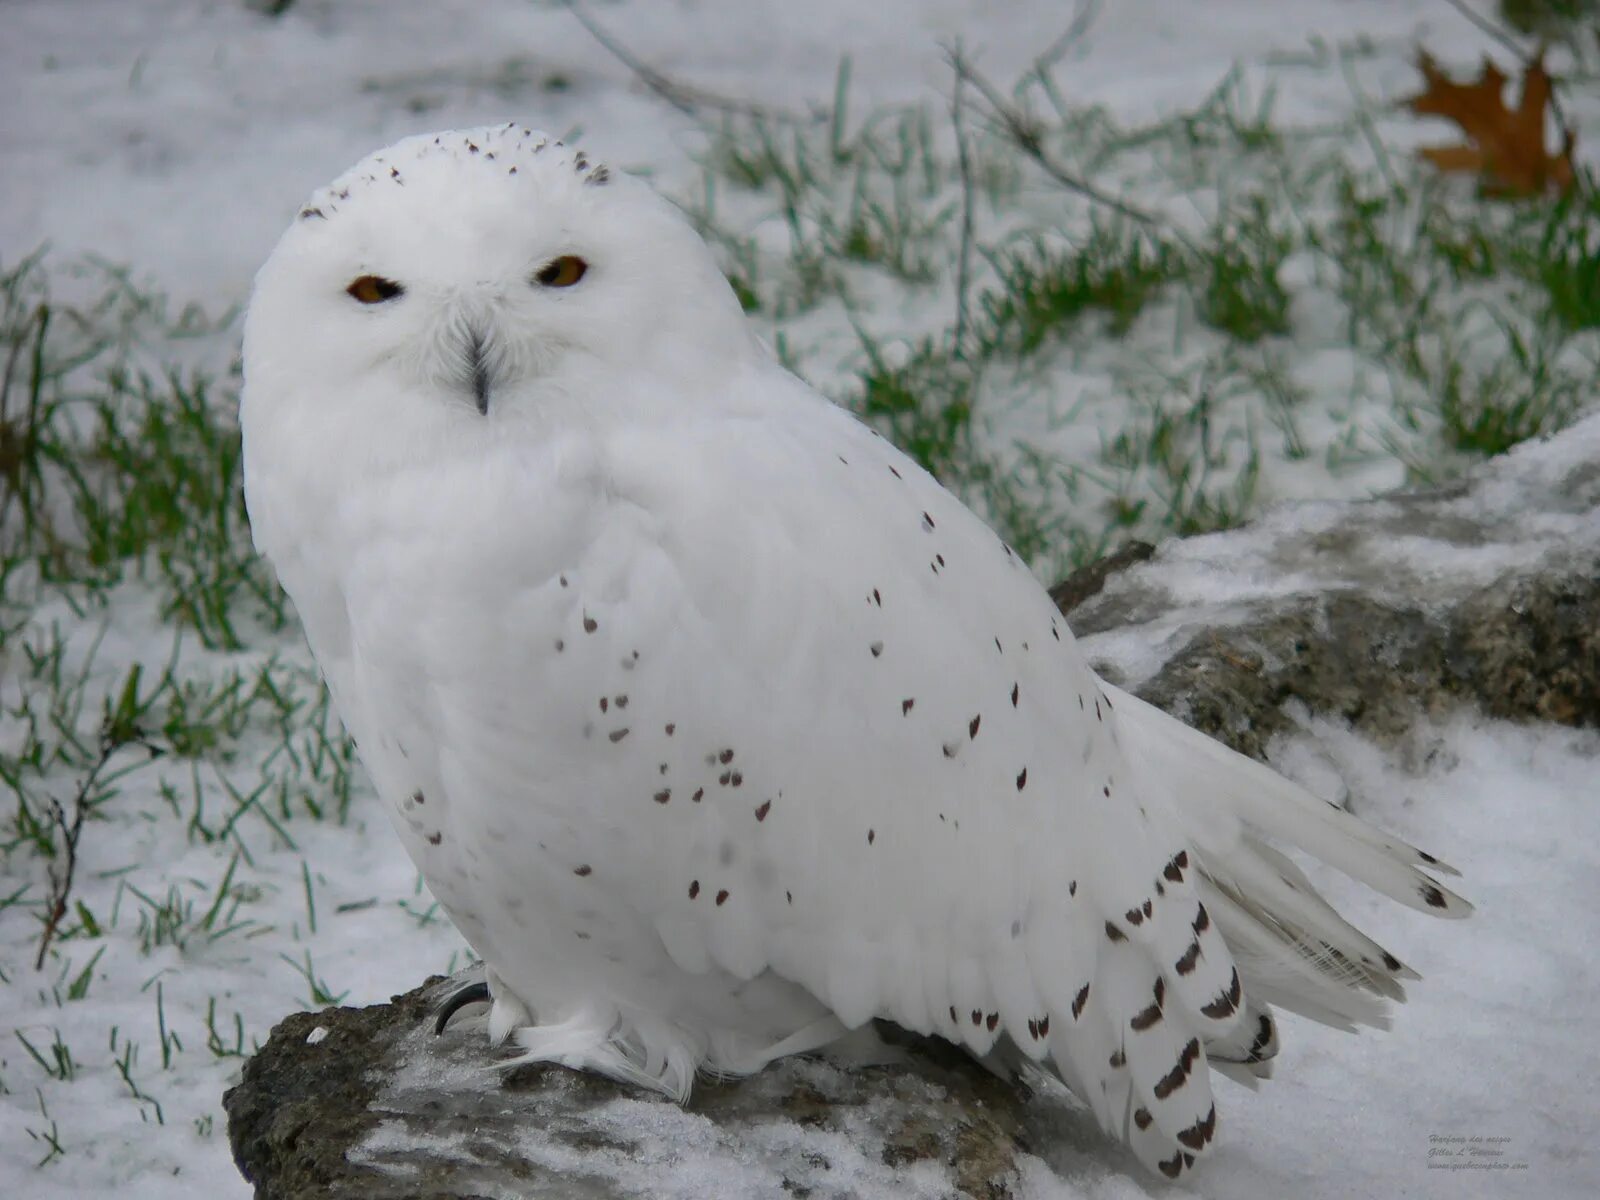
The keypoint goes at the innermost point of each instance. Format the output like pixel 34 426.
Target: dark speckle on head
pixel 583 871
pixel 590 624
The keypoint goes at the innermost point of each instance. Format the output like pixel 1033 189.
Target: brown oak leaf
pixel 1505 146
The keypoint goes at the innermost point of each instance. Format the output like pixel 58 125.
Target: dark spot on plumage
pixel 1097 715
pixel 872 836
pixel 694 888
pixel 599 177
pixel 763 809
pixel 927 521
pixel 722 897
pixel 560 645
pixel 725 756
pixel 1226 1003
pixel 699 793
pixel 1427 858
pixel 939 558
pixel 563 579
pixel 671 728
pixel 1044 1025
pixel 977 1016
pixel 1432 895
pixel 308 214
pixel 590 624
pixel 472 147
pixel 724 778
pixel 789 896
pixel 1172 1167
pixel 1191 956
pixel 1106 791
pixel 1107 699
pixel 663 796
pixel 843 459
pixel 1072 888
pixel 1015 692
pixel 1022 779
pixel 662 769
pixel 582 871
pixel 616 735
pixel 1175 1078
pixel 604 704
pixel 737 779
pixel 1142 1118
pixel 998 647
pixel 1134 916
pixel 953 1016
pixel 1393 963
pixel 1263 1037
pixel 1202 920
pixel 876 648
pixel 991 1021
pixel 1197 1135
pixel 1080 703
pixel 876 598
pixel 1033 1029
pixel 621 701
pixel 972 725
pixel 895 473
pixel 435 838
pixel 1054 632
pixel 513 171
pixel 1117 1061
pixel 1079 1001
pixel 1114 934
pixel 1148 909
pixel 418 797
pixel 906 706
pixel 950 749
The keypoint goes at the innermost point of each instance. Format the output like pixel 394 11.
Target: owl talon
pixel 472 993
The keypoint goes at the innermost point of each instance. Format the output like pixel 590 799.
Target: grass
pixel 1265 265
pixel 1278 303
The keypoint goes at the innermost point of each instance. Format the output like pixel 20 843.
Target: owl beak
pixel 478 369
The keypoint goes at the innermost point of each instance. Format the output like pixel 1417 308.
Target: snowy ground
pixel 221 891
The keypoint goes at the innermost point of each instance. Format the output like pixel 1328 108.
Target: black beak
pixel 480 373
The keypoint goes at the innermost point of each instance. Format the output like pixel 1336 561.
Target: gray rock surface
pixel 1485 594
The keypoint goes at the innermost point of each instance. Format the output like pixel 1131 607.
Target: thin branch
pixel 690 101
pixel 61 877
pixel 964 163
pixel 1084 17
pixel 1025 134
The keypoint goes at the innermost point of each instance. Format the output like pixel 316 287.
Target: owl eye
pixel 562 272
pixel 374 289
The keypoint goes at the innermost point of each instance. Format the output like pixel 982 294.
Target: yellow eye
pixel 562 272
pixel 374 289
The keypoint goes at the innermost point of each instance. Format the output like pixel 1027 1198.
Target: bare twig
pixel 690 101
pixel 1025 134
pixel 1084 17
pixel 964 163
pixel 61 872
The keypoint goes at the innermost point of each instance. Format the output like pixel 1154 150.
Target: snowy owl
pixel 715 723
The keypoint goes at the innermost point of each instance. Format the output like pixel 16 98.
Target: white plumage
pixel 716 724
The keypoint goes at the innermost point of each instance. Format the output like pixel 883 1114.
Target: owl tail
pixel 1291 947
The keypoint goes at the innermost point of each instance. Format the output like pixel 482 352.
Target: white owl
pixel 715 723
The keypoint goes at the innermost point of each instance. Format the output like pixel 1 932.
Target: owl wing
pixel 805 712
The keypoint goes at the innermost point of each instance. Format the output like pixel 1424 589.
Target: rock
pixel 369 1103
pixel 1487 593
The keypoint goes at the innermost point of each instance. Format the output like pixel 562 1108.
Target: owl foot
pixel 472 993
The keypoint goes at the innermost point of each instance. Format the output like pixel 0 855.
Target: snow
pixel 178 136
